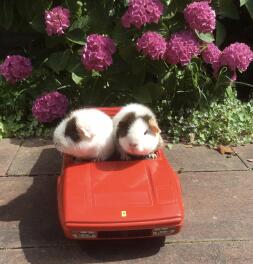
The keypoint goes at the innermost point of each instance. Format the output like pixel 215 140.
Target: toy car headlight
pixel 163 231
pixel 84 234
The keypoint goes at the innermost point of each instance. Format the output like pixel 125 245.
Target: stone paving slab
pixel 218 206
pixel 36 157
pixel 202 159
pixel 179 253
pixel 8 150
pixel 245 153
pixel 28 212
pixel 39 157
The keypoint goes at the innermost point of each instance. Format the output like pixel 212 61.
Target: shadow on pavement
pixel 40 234
pixel 30 142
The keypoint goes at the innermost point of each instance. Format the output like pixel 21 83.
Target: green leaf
pixel 243 2
pixel 166 77
pixel 80 23
pixel 137 66
pixel 76 36
pixel 23 8
pixel 227 8
pixel 95 74
pixel 170 14
pixel 37 23
pixel 249 6
pixel 220 33
pixel 28 10
pixel 168 2
pixel 72 5
pixel 74 65
pixel 169 82
pixel 77 79
pixel 127 52
pixel 126 2
pixel 6 13
pixel 206 37
pixel 58 60
pixel 143 93
pixel 169 146
pixel 53 41
pixel 119 34
pixel 155 90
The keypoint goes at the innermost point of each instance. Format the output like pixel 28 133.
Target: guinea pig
pixel 136 132
pixel 86 133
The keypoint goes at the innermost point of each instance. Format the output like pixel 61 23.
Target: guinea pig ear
pixel 154 126
pixel 128 118
pixel 124 124
pixel 84 133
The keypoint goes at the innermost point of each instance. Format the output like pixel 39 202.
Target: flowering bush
pixel 211 55
pixel 236 56
pixel 182 47
pixel 97 53
pixel 152 45
pixel 57 20
pixel 50 106
pixel 141 12
pixel 16 68
pixel 200 16
pixel 111 53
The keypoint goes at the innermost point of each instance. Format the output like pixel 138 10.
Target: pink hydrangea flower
pixel 211 55
pixel 152 45
pixel 97 53
pixel 182 47
pixel 236 56
pixel 141 12
pixel 200 16
pixel 16 68
pixel 57 20
pixel 49 107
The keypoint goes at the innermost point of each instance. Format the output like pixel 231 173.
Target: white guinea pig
pixel 136 131
pixel 86 133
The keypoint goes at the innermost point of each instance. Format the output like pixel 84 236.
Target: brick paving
pixel 217 193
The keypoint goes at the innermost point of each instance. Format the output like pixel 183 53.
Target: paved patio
pixel 217 193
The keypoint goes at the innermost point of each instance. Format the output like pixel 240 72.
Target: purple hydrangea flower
pixel 152 45
pixel 200 16
pixel 57 20
pixel 16 68
pixel 49 107
pixel 141 12
pixel 182 47
pixel 97 53
pixel 211 55
pixel 236 56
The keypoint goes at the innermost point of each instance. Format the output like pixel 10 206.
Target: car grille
pixel 125 234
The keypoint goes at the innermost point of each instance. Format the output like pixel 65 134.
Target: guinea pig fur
pixel 86 133
pixel 136 131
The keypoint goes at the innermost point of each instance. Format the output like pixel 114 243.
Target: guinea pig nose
pixel 133 145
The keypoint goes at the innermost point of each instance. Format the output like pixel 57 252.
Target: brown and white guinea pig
pixel 86 133
pixel 136 132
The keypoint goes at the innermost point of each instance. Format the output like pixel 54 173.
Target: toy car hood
pixel 120 192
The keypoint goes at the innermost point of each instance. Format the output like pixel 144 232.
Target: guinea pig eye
pixel 146 132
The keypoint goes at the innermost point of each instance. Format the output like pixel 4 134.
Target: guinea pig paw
pixel 125 157
pixel 152 156
pixel 77 160
pixel 98 159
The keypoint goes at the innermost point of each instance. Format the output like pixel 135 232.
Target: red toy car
pixel 119 199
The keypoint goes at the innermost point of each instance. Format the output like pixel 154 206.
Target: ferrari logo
pixel 123 213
